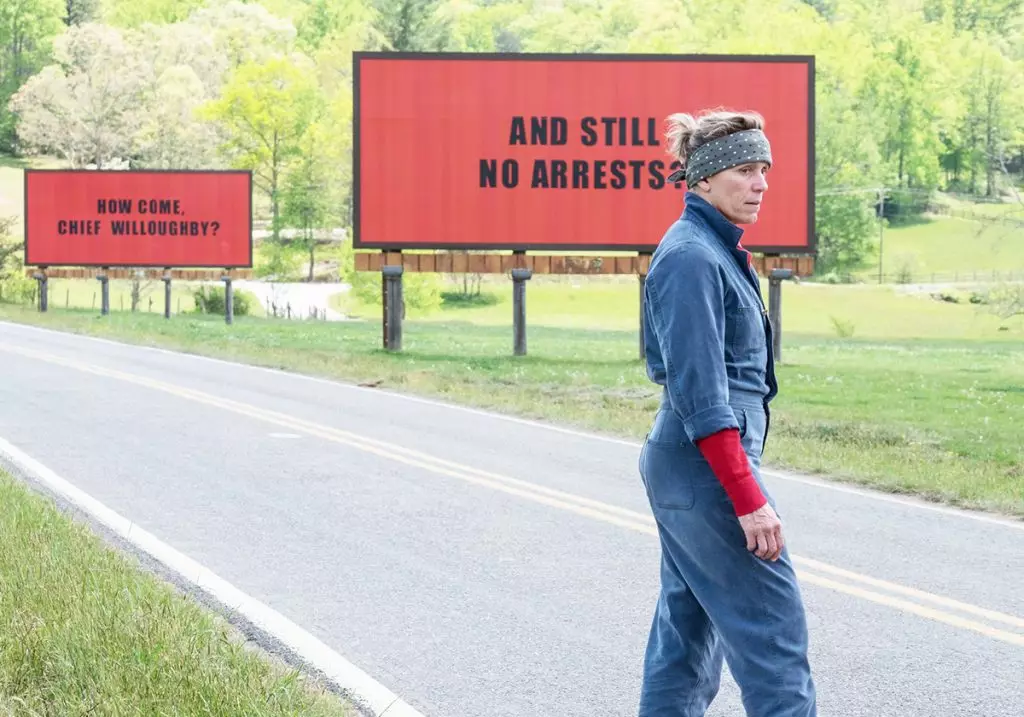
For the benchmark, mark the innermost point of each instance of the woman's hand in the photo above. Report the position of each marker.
(763, 530)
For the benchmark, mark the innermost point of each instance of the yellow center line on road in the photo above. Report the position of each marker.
(991, 615)
(604, 512)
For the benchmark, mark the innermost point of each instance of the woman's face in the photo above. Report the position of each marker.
(737, 192)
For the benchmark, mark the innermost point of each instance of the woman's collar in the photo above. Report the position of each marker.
(729, 232)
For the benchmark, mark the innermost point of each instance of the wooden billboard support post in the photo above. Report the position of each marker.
(392, 299)
(104, 291)
(383, 301)
(641, 275)
(519, 278)
(520, 275)
(229, 298)
(775, 279)
(393, 302)
(167, 292)
(44, 290)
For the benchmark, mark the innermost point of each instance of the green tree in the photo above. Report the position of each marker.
(327, 22)
(483, 27)
(244, 33)
(569, 27)
(265, 110)
(171, 134)
(846, 182)
(826, 8)
(904, 92)
(309, 203)
(88, 106)
(213, 41)
(79, 12)
(988, 16)
(992, 109)
(26, 28)
(410, 25)
(136, 13)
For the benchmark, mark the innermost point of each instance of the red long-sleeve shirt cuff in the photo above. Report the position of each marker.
(724, 453)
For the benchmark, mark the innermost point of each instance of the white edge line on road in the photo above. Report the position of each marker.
(772, 473)
(362, 688)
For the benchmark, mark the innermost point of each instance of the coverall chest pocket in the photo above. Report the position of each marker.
(744, 330)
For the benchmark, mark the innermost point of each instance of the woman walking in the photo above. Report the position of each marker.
(728, 589)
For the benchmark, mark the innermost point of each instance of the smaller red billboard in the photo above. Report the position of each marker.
(138, 218)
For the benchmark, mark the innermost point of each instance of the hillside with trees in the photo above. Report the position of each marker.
(917, 97)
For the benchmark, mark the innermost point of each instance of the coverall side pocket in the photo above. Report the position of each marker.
(667, 471)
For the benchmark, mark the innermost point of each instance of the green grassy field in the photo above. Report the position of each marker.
(841, 311)
(953, 248)
(938, 417)
(87, 632)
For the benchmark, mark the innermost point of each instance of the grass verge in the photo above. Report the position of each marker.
(936, 418)
(86, 632)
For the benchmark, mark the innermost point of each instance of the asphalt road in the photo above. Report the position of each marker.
(480, 566)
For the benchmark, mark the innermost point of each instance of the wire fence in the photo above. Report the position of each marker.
(1015, 220)
(60, 297)
(977, 276)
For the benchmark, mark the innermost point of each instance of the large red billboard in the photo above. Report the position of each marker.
(138, 218)
(561, 152)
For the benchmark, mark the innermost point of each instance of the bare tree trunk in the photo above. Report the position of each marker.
(274, 171)
(991, 151)
(312, 257)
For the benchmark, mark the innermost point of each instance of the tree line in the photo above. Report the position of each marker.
(916, 96)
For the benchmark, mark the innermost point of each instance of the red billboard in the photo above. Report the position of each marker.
(139, 218)
(561, 152)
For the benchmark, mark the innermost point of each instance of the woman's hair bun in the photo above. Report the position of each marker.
(685, 133)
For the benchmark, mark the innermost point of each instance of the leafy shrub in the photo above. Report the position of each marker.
(422, 292)
(210, 300)
(15, 287)
(462, 300)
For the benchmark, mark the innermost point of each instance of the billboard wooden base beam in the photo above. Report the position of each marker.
(466, 263)
(146, 273)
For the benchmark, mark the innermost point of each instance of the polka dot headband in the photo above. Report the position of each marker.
(720, 154)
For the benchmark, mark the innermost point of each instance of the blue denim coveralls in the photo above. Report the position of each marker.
(708, 342)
